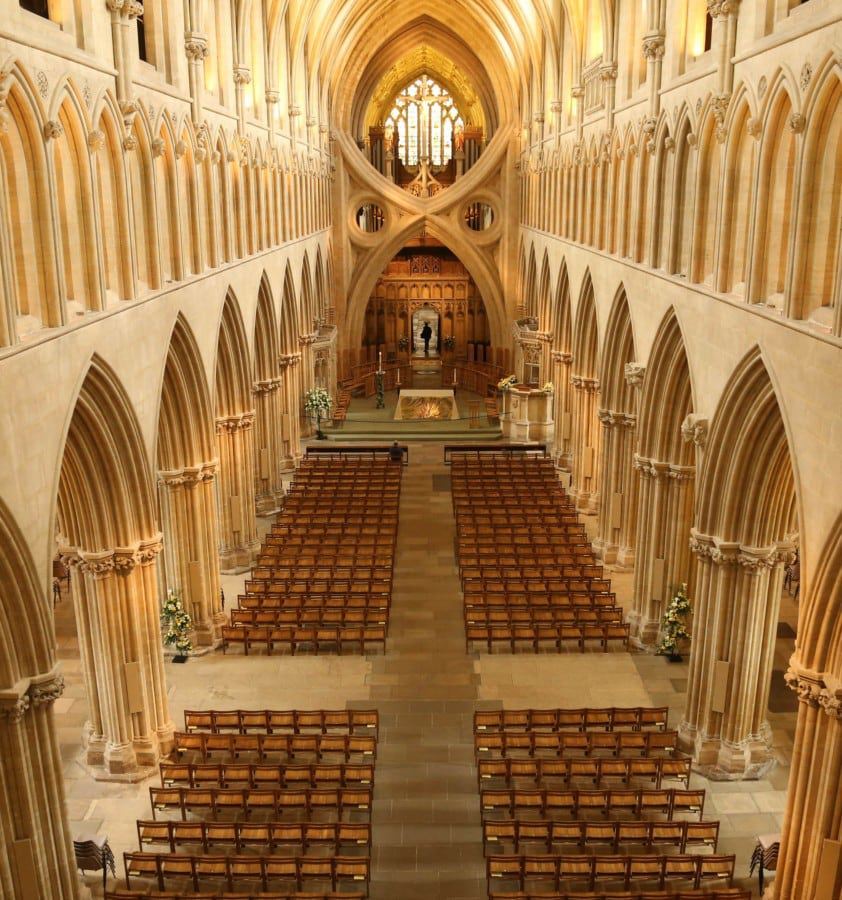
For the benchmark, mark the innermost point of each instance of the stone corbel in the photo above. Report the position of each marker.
(560, 356)
(583, 383)
(158, 147)
(720, 108)
(242, 76)
(267, 386)
(196, 47)
(14, 703)
(129, 143)
(681, 473)
(654, 45)
(125, 560)
(695, 428)
(149, 550)
(634, 373)
(796, 123)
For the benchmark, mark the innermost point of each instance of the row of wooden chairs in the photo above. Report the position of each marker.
(266, 746)
(300, 541)
(554, 870)
(596, 770)
(255, 775)
(499, 572)
(597, 835)
(702, 894)
(283, 721)
(516, 584)
(537, 554)
(337, 534)
(539, 599)
(536, 636)
(360, 522)
(277, 601)
(666, 804)
(322, 571)
(126, 894)
(256, 870)
(340, 804)
(521, 534)
(542, 615)
(328, 585)
(575, 743)
(240, 836)
(297, 639)
(608, 718)
(314, 616)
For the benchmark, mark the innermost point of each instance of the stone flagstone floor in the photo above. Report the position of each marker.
(426, 818)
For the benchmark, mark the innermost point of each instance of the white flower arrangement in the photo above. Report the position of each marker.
(317, 402)
(673, 627)
(178, 624)
(548, 388)
(505, 383)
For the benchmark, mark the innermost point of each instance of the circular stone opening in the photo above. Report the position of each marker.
(369, 218)
(479, 216)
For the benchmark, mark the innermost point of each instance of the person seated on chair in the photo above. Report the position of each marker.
(426, 334)
(396, 453)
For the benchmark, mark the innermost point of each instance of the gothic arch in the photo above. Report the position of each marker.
(25, 204)
(31, 783)
(106, 518)
(142, 184)
(586, 431)
(665, 466)
(232, 379)
(616, 528)
(706, 215)
(775, 211)
(816, 282)
(747, 524)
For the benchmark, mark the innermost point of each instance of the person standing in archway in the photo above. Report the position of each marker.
(426, 334)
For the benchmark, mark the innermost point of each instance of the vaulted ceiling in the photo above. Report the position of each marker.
(344, 49)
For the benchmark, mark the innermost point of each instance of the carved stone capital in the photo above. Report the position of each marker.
(242, 75)
(232, 424)
(719, 105)
(650, 468)
(821, 690)
(561, 356)
(190, 476)
(125, 560)
(695, 428)
(583, 383)
(608, 72)
(132, 9)
(196, 48)
(720, 9)
(158, 147)
(557, 106)
(273, 97)
(98, 565)
(681, 473)
(46, 688)
(13, 707)
(755, 559)
(754, 126)
(150, 549)
(129, 143)
(266, 387)
(654, 45)
(634, 373)
(294, 112)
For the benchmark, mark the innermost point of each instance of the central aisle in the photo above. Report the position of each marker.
(426, 819)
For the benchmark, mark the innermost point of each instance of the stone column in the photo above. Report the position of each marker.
(196, 50)
(188, 506)
(563, 409)
(586, 441)
(116, 597)
(616, 528)
(268, 408)
(239, 545)
(814, 800)
(36, 859)
(736, 605)
(292, 430)
(664, 516)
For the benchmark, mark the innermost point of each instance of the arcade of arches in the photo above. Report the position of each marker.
(209, 209)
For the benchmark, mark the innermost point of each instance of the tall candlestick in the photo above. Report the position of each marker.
(454, 376)
(399, 377)
(379, 362)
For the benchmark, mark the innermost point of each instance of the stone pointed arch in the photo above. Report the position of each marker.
(109, 537)
(29, 683)
(746, 530)
(269, 404)
(815, 671)
(186, 465)
(561, 336)
(290, 370)
(666, 467)
(586, 430)
(619, 386)
(234, 408)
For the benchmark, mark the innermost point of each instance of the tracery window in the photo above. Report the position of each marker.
(423, 123)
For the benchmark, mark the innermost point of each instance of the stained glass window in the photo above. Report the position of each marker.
(424, 97)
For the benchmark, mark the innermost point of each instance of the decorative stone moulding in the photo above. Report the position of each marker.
(190, 475)
(654, 45)
(158, 147)
(196, 48)
(797, 123)
(562, 357)
(695, 428)
(583, 383)
(242, 75)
